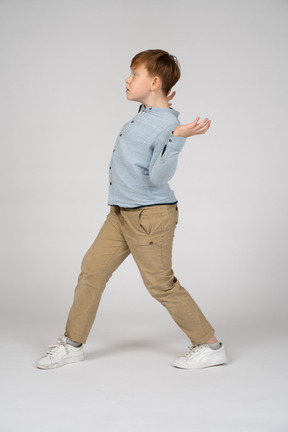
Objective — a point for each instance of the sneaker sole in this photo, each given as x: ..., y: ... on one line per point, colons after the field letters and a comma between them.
x: 57, y: 365
x: 199, y: 367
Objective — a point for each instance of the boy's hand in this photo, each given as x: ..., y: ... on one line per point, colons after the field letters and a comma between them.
x: 169, y: 97
x: 194, y: 128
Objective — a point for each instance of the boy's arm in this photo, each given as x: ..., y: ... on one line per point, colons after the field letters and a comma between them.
x: 168, y: 147
x: 165, y: 156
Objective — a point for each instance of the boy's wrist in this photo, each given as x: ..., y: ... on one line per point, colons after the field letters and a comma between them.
x: 175, y: 133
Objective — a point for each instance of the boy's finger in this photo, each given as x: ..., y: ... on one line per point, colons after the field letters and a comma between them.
x: 204, y: 121
x: 205, y: 128
x: 170, y: 96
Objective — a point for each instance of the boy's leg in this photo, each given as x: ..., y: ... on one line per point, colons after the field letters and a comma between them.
x: 149, y: 233
x: 104, y: 256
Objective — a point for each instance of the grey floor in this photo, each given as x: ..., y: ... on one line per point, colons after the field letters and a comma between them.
x: 127, y: 382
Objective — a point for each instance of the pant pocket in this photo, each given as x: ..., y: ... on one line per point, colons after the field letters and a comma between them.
x: 144, y: 220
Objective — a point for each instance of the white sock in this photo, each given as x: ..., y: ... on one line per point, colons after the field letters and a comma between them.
x: 214, y: 346
x: 74, y: 344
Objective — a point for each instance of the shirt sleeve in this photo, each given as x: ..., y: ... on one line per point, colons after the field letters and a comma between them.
x: 165, y: 156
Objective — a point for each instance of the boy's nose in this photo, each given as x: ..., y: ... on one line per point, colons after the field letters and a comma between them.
x: 127, y: 79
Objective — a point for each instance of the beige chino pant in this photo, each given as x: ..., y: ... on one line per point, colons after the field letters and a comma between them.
x: 147, y: 233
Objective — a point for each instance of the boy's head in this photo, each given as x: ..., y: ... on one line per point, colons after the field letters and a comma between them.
x: 161, y: 64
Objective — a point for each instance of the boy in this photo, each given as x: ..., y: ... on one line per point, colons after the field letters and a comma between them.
x: 142, y: 218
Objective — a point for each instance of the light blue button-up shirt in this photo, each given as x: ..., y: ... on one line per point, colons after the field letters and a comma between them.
x: 144, y: 159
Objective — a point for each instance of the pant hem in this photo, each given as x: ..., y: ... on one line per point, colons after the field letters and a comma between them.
x: 204, y: 338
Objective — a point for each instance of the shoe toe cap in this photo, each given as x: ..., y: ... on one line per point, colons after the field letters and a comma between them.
x: 43, y: 363
x: 180, y: 362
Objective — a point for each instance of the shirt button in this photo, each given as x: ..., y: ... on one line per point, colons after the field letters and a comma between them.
x: 132, y: 121
x: 113, y: 150
x: 109, y: 167
x: 170, y: 140
x: 120, y: 135
x: 150, y: 109
x: 110, y: 183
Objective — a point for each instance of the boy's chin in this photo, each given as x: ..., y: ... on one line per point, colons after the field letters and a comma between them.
x: 131, y: 99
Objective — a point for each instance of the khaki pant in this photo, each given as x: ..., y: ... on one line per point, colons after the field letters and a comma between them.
x: 147, y: 233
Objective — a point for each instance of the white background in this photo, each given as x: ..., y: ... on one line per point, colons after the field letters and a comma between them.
x: 63, y: 102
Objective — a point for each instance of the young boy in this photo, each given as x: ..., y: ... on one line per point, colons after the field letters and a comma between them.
x: 142, y: 218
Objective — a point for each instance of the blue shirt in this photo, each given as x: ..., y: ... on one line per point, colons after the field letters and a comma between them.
x: 144, y: 159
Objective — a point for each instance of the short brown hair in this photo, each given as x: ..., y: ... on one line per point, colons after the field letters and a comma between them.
x: 161, y: 63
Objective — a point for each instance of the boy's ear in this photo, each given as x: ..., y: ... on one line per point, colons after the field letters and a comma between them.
x: 156, y: 83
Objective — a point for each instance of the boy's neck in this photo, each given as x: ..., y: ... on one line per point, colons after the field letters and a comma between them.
x: 157, y: 102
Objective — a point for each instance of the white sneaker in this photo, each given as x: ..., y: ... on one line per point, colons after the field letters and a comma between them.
x: 60, y: 354
x: 201, y: 356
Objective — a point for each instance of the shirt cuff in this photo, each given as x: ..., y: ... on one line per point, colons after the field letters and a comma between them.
x: 176, y: 142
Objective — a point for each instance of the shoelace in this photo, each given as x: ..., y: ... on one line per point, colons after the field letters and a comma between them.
x: 53, y: 349
x: 193, y: 350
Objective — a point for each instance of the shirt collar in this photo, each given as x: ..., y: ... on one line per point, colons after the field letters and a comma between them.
x: 157, y: 109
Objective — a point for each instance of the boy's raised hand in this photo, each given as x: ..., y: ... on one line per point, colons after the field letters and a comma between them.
x: 169, y: 97
x: 194, y: 128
